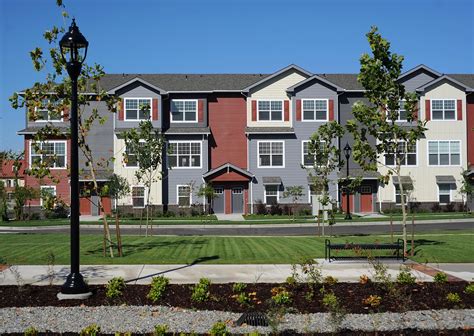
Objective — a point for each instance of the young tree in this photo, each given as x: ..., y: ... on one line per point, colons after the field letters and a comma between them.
x: 206, y: 190
x: 325, y: 157
x: 3, y: 203
x: 379, y: 75
x: 295, y: 193
x: 467, y: 189
x: 145, y: 145
x: 117, y: 187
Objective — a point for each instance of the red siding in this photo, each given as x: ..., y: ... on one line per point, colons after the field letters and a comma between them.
x: 120, y: 110
x: 200, y: 110
x: 106, y: 203
x: 427, y: 110
x: 232, y: 176
x: 417, y: 111
x: 298, y: 109
x: 227, y: 120
x: 254, y: 110
x: 459, y: 109
x: 287, y: 110
x: 470, y: 129
x: 228, y: 201
x: 331, y: 109
x: 85, y: 206
x: 155, y: 109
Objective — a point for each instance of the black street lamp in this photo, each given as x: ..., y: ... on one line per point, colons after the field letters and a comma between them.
x: 74, y: 51
x: 347, y: 152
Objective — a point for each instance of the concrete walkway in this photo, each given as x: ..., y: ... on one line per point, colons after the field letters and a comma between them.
x: 230, y: 217
x: 141, y: 274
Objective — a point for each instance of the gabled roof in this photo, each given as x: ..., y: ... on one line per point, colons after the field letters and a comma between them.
x: 134, y: 80
x: 420, y: 67
x: 444, y: 77
x: 228, y: 166
x: 312, y: 78
x: 279, y: 72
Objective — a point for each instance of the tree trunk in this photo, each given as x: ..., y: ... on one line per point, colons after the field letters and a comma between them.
x: 119, y: 236
x: 404, y: 213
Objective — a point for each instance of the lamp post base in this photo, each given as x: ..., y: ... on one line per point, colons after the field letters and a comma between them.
x: 74, y: 288
x: 348, y: 216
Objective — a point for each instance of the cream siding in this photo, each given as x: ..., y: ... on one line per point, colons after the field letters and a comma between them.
x: 423, y: 175
x: 274, y: 89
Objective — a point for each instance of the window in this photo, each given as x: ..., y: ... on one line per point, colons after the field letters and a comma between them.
x: 271, y: 154
x: 315, y: 109
x: 137, y: 108
x: 444, y: 153
x: 401, y: 113
x: 237, y: 190
x: 138, y: 197
x: 10, y: 196
x: 406, y: 153
x: 184, y: 195
x: 183, y: 110
x: 130, y: 158
x: 443, y: 109
x: 270, y: 110
x: 46, y: 111
x: 444, y: 193
x: 308, y: 159
x: 50, y: 153
x: 314, y: 190
x: 47, y: 193
x: 398, y: 197
x: 271, y: 194
x: 184, y: 154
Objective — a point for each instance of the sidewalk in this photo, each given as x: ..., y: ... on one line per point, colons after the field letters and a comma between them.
x: 344, y: 271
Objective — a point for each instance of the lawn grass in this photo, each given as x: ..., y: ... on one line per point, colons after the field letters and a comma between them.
x: 32, y: 248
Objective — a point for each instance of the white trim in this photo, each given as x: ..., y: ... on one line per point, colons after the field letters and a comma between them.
x: 46, y: 187
x: 184, y: 121
x: 314, y: 110
x: 190, y: 195
x: 138, y: 108
x: 49, y: 141
x: 187, y: 141
x: 444, y: 112
x: 124, y: 165
x: 404, y: 165
x: 270, y: 111
x: 144, y: 196
x: 258, y: 154
x: 265, y: 193
x: 439, y: 165
x: 450, y: 193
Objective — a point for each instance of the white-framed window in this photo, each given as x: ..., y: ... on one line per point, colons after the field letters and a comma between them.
x: 46, y: 192
x: 444, y: 193
x: 315, y: 110
x: 51, y: 153
x: 307, y: 160
x: 398, y: 197
x: 45, y: 114
x: 218, y: 190
x: 270, y: 110
x: 185, y: 154
x: 130, y: 158
x: 401, y: 112
x: 137, y: 108
x: 406, y: 153
x: 313, y: 191
x: 444, y: 153
x: 138, y: 196
x: 443, y: 109
x: 272, y: 194
x: 237, y: 190
x: 184, y: 110
x: 184, y: 195
x: 271, y: 154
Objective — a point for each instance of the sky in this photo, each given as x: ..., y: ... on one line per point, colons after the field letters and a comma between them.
x: 227, y: 36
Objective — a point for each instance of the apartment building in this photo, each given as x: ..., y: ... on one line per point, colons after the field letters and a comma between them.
x: 247, y: 135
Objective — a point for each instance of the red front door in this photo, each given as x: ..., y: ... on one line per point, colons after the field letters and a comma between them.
x: 366, y: 203
x: 344, y: 202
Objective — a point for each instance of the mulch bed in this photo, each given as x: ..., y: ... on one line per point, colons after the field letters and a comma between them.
x: 420, y: 296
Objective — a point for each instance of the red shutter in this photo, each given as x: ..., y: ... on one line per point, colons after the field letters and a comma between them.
x: 298, y: 109
x: 154, y: 111
x: 121, y: 110
x: 200, y: 110
x: 427, y: 110
x: 287, y: 110
x: 254, y: 110
x: 331, y: 109
x: 459, y: 109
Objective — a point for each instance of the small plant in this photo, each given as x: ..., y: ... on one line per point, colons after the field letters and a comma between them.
x: 290, y: 281
x: 50, y: 261
x: 201, y: 291
x: 405, y: 277
x: 280, y: 295
x: 372, y: 300
x: 330, y: 280
x: 453, y: 298
x: 364, y: 279
x: 239, y: 287
x: 219, y: 329
x: 381, y: 275
x: 91, y: 330
x: 330, y: 301
x: 31, y: 331
x: 160, y: 330
x: 17, y: 275
x: 126, y: 333
x: 440, y: 278
x: 469, y: 288
x: 115, y: 287
x: 157, y: 288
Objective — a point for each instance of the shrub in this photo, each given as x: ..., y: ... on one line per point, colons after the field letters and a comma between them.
x: 239, y: 287
x: 201, y: 291
x: 242, y: 298
x: 160, y: 330
x: 275, y: 209
x: 31, y: 331
x: 405, y: 277
x: 115, y: 287
x: 169, y: 214
x: 453, y: 298
x: 436, y: 207
x: 219, y: 329
x: 450, y: 207
x: 91, y: 330
x: 34, y: 216
x: 126, y: 333
x: 469, y: 289
x: 364, y: 279
x: 157, y: 288
x: 440, y: 278
x: 304, y: 212
x: 330, y: 301
x: 330, y: 280
x: 280, y: 295
x: 290, y: 281
x: 372, y: 300
x: 261, y: 209
x: 286, y: 210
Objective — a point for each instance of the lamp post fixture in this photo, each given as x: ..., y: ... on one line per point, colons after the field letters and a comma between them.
x: 74, y: 51
x: 347, y: 152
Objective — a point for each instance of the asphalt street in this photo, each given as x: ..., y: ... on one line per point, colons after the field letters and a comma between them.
x: 258, y: 231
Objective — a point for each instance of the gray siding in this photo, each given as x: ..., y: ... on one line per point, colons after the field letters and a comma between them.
x: 138, y: 91
x: 417, y: 79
